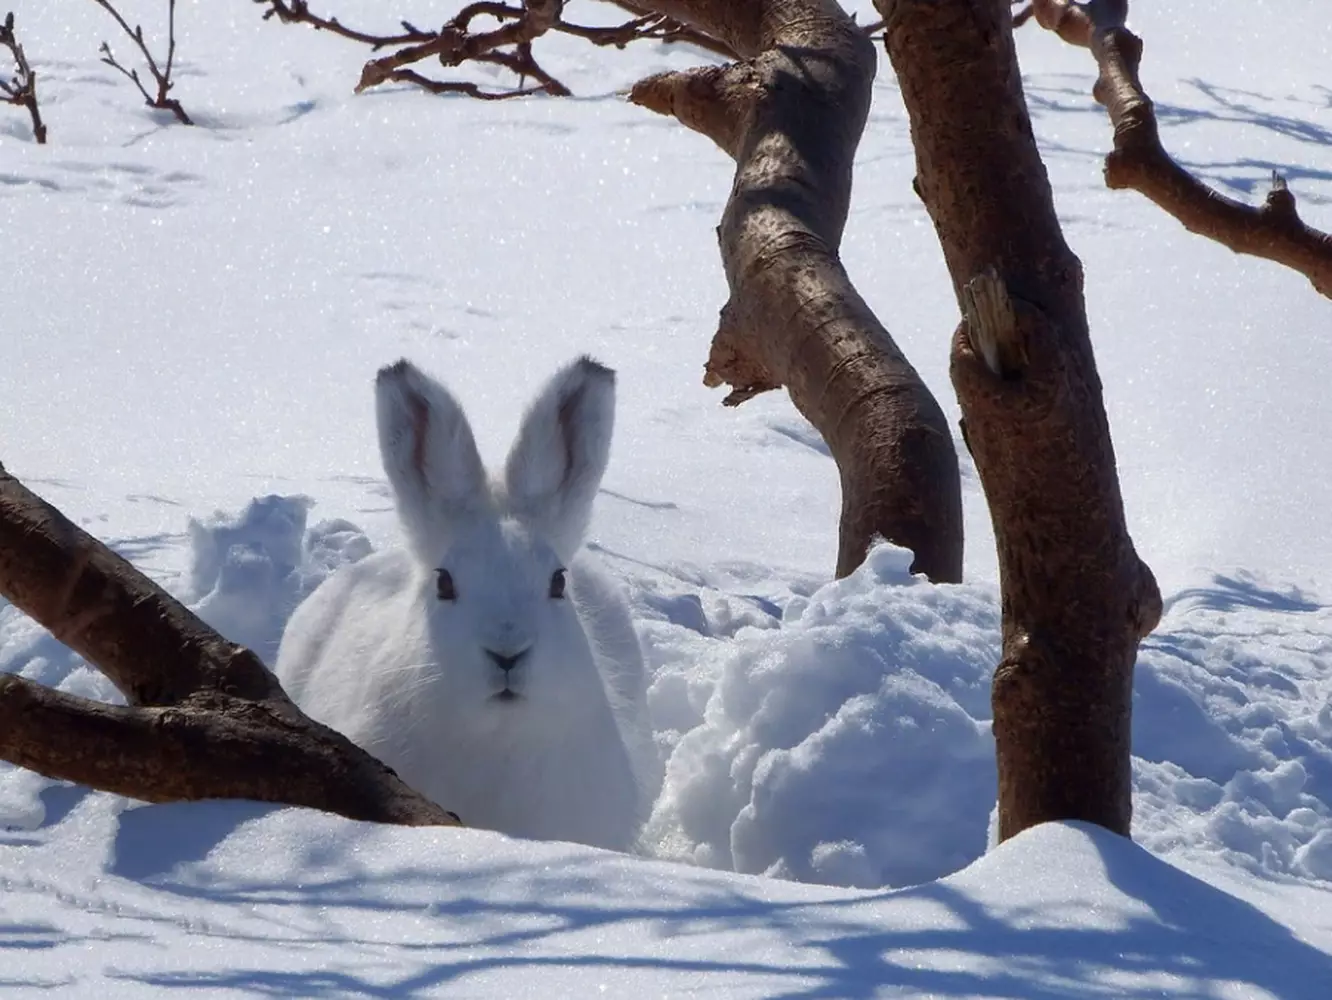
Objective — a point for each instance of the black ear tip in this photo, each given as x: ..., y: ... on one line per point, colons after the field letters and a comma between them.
x: 589, y: 365
x: 396, y: 370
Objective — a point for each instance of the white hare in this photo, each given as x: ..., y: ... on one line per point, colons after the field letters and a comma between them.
x: 493, y: 665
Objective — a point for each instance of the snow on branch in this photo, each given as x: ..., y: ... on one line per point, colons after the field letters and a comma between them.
x: 21, y: 89
x: 161, y: 74
x: 205, y: 718
x: 1140, y: 162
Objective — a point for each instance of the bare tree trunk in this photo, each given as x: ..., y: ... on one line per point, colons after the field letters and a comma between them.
x: 792, y: 115
x: 206, y: 719
x: 1076, y: 597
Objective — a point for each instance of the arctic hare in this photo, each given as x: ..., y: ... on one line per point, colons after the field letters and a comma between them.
x: 493, y: 665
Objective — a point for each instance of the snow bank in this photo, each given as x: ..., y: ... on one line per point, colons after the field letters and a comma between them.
x: 848, y: 745
x: 237, y: 899
x: 840, y: 734
x: 248, y: 571
x: 1232, y: 728
x: 844, y: 737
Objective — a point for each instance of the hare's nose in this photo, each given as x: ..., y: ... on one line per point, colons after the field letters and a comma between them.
x: 505, y: 663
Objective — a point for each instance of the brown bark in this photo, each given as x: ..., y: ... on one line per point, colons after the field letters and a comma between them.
x: 1076, y: 597
x: 792, y: 115
x: 1140, y: 162
x: 206, y: 719
x: 21, y: 90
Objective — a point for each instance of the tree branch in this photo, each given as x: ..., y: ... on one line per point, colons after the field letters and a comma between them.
x: 507, y: 45
x: 298, y: 12
x: 792, y: 115
x: 1139, y: 161
x: 1076, y: 597
x: 21, y: 89
x: 162, y: 101
x: 206, y: 719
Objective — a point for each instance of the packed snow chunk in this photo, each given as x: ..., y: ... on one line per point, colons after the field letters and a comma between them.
x: 1314, y: 859
x: 1231, y: 759
x: 850, y: 746
x: 248, y: 571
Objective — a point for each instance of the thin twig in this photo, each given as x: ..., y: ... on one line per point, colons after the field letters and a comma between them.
x: 162, y: 101
x: 652, y: 26
x: 1139, y: 161
x: 508, y: 45
x: 456, y: 86
x: 298, y: 12
x: 21, y: 89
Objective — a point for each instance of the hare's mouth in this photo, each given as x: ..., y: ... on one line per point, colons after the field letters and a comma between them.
x: 508, y: 694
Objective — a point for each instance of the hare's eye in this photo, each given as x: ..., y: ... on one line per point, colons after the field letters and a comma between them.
x: 444, y: 585
x: 557, y: 582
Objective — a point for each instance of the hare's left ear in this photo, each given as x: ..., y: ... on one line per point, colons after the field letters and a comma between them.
x: 556, y: 464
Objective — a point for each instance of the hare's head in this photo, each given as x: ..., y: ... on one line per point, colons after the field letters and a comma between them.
x: 495, y: 555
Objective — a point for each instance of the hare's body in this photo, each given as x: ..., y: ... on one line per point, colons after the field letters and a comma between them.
x: 465, y: 663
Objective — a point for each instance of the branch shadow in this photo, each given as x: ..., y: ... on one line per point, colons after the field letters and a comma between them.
x: 1237, y: 592
x: 1083, y: 933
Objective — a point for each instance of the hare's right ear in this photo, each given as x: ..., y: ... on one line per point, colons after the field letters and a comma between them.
x: 429, y: 455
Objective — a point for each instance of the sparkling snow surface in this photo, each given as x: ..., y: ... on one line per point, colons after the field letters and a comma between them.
x: 191, y: 323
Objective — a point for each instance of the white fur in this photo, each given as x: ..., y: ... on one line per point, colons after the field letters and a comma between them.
x: 376, y: 654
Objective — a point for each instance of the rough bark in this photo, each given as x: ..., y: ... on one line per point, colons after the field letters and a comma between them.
x: 1140, y: 162
x: 791, y: 115
x: 1076, y: 597
x: 205, y: 719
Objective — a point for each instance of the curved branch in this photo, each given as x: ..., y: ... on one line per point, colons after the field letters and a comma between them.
x: 1273, y: 230
x: 792, y: 116
x: 206, y: 718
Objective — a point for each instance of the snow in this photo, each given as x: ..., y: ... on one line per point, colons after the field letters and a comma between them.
x: 1062, y: 910
x: 193, y: 319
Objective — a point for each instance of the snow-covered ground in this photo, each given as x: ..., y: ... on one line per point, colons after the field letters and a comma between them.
x: 191, y: 322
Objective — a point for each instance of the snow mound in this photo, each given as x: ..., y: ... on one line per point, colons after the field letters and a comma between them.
x: 248, y: 571
x: 849, y: 746
x: 1232, y: 728
x: 233, y: 898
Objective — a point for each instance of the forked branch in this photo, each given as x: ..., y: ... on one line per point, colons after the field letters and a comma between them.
x: 1139, y: 161
x: 21, y: 88
x: 508, y: 43
x: 205, y: 719
x: 161, y: 74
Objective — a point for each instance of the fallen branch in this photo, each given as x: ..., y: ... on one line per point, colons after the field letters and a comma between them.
x: 1139, y: 161
x: 21, y: 89
x: 205, y: 720
x: 791, y: 115
x: 162, y: 75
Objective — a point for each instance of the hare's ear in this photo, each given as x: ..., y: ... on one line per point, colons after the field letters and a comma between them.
x: 429, y: 455
x: 563, y: 445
